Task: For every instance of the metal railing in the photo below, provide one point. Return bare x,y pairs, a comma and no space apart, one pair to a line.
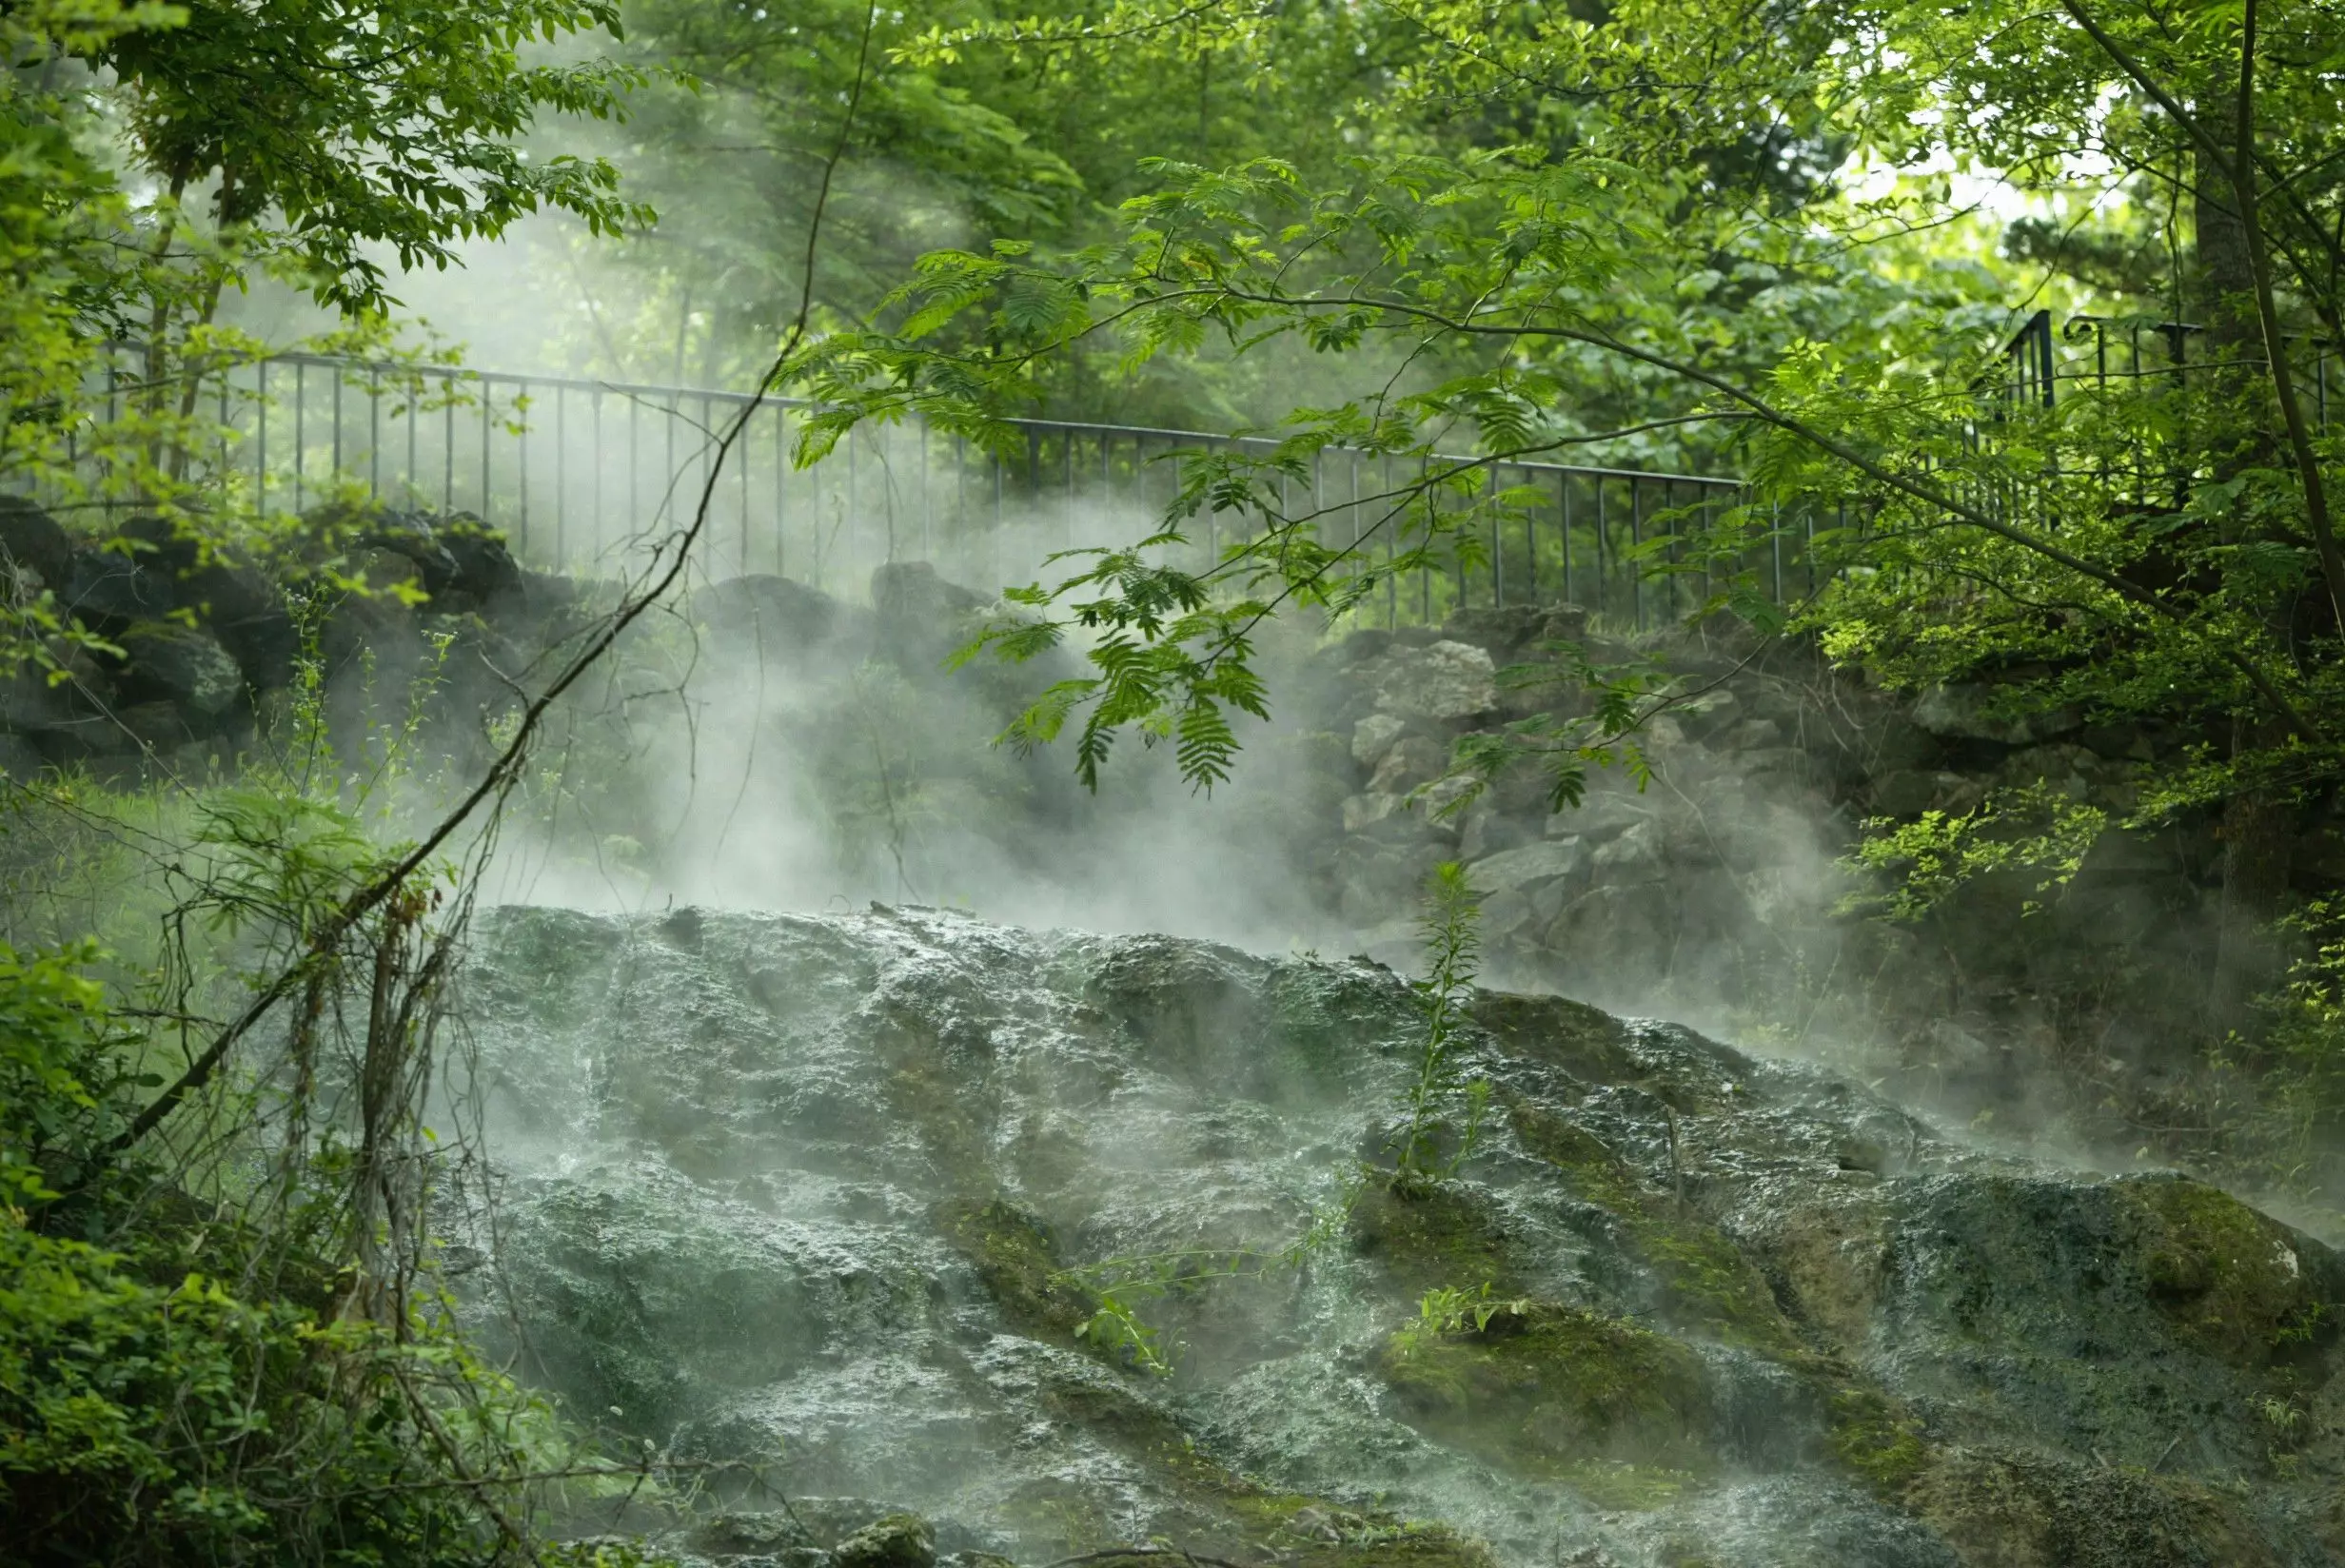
581,476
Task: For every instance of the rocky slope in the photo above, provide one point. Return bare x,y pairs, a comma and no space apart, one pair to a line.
805,1190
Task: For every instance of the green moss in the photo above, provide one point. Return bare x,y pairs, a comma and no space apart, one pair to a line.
1708,1281
1013,1256
1431,1235
1221,1513
1550,1389
2228,1278
1876,1437
1559,1033
1711,1283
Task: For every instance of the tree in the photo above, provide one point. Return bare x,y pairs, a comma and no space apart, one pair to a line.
1830,332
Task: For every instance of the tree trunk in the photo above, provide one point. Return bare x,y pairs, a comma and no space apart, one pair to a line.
2259,827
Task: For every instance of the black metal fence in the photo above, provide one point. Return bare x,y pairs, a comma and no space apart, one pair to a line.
584,475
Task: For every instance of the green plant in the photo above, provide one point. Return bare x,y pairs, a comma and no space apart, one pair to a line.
1453,937
1451,1309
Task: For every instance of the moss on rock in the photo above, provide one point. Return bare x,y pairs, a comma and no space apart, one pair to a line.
1431,1235
2011,1510
1013,1254
2231,1281
1546,1390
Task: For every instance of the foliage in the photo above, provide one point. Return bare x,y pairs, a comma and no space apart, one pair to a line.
153,1409
1452,940
2034,828
1830,314
1452,1309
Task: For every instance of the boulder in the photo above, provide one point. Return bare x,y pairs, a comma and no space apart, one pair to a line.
767,612
1372,736
1635,855
181,665
1442,682
922,619
1600,816
30,538
465,562
900,1541
1529,867
109,590
1410,762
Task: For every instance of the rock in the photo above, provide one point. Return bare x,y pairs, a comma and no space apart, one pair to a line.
766,1533
180,665
1961,711
1361,812
1600,816
29,537
1439,802
2068,768
2113,742
1635,855
900,1541
767,612
1442,682
1907,792
1751,735
758,1194
1529,867
111,591
1372,736
1485,830
18,759
2130,854
1506,913
1710,716
161,726
465,562
1409,762
922,618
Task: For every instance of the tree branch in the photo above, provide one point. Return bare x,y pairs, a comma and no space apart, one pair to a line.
505,772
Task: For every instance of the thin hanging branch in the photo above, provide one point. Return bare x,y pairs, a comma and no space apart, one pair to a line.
503,774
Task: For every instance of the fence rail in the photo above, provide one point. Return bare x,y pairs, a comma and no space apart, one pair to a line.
581,475
584,475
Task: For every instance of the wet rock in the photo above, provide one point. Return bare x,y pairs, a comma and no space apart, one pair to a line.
900,1541
1634,854
1600,815
1408,763
841,1189
1361,812
1528,868
181,665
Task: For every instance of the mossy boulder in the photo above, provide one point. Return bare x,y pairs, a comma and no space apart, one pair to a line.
899,1541
1555,1391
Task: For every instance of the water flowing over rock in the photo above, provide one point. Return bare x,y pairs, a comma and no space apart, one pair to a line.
806,1189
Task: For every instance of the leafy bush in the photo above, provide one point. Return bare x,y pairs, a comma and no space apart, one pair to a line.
191,1391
